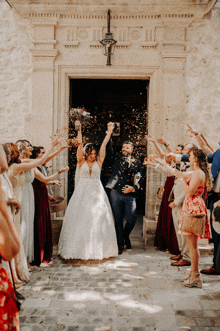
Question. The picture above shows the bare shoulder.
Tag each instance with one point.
(200, 173)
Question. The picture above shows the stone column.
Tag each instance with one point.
(43, 53)
(167, 117)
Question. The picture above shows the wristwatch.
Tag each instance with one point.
(59, 172)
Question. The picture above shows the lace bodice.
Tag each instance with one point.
(85, 173)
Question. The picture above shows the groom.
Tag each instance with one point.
(126, 179)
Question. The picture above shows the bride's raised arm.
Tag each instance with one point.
(102, 151)
(80, 152)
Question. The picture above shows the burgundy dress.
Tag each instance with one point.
(165, 233)
(43, 246)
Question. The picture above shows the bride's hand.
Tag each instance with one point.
(111, 126)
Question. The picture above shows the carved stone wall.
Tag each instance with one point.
(169, 43)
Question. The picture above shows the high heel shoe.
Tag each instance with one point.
(184, 278)
(197, 282)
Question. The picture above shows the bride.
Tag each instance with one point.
(88, 230)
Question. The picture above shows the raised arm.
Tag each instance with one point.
(102, 151)
(185, 175)
(60, 149)
(206, 142)
(163, 142)
(80, 151)
(48, 179)
(202, 143)
(159, 168)
(158, 148)
(19, 167)
(196, 179)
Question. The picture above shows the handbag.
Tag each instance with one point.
(160, 192)
(194, 223)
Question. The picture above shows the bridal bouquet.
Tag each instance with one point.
(79, 114)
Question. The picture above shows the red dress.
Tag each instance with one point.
(43, 246)
(165, 237)
(9, 319)
(194, 204)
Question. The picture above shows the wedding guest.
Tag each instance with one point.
(13, 205)
(176, 205)
(214, 197)
(213, 158)
(45, 172)
(9, 247)
(123, 188)
(27, 203)
(194, 204)
(16, 175)
(43, 245)
(165, 237)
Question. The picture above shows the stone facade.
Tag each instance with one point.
(174, 46)
(15, 74)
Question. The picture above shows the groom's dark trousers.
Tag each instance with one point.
(123, 206)
(124, 172)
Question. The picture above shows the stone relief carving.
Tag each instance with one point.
(135, 35)
(83, 34)
(149, 38)
(114, 17)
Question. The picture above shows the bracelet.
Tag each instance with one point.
(166, 145)
(59, 172)
(181, 179)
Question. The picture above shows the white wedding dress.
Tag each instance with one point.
(88, 230)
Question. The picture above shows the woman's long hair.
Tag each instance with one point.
(15, 155)
(203, 165)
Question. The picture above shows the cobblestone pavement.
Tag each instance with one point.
(137, 291)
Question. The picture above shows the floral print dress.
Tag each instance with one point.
(194, 204)
(9, 319)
